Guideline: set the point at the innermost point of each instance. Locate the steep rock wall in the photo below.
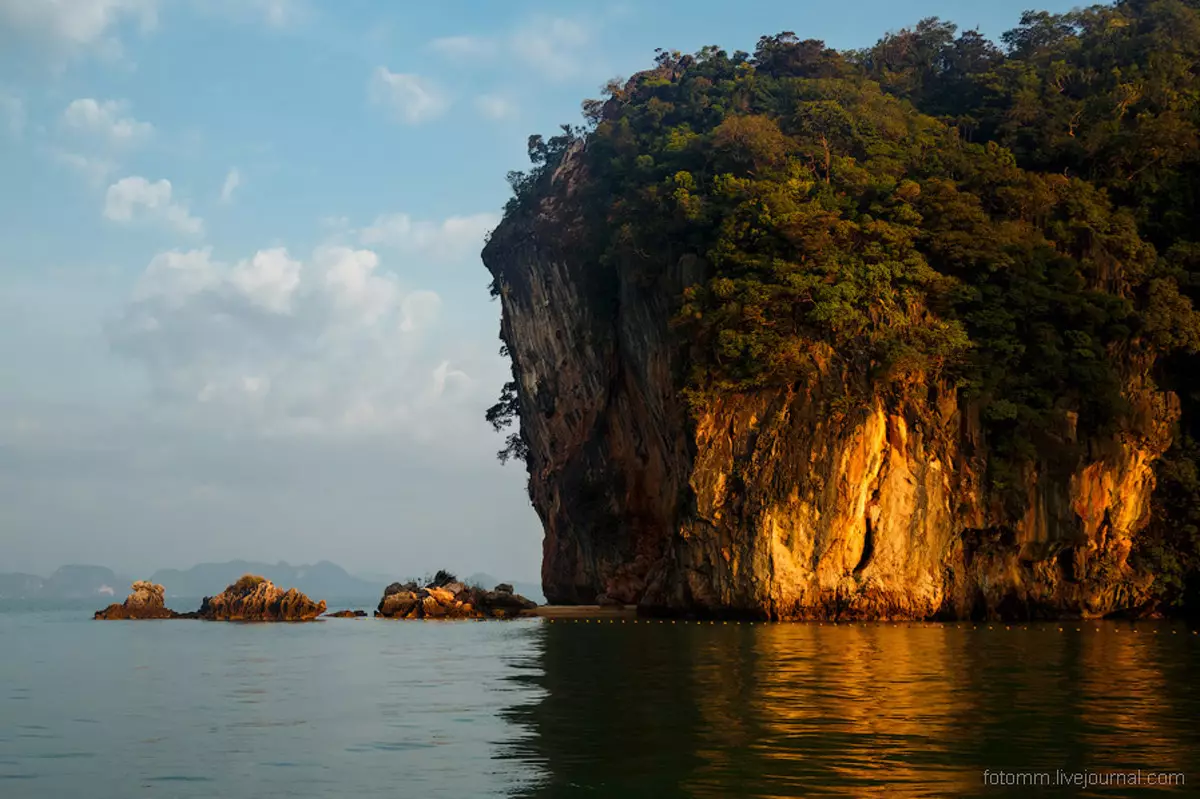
(826, 499)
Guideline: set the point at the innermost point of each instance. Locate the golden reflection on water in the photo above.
(863, 699)
(1132, 699)
(854, 710)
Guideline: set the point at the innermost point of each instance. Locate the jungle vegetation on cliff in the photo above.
(1020, 220)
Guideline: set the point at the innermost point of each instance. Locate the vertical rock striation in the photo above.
(829, 498)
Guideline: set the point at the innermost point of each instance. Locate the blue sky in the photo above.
(242, 312)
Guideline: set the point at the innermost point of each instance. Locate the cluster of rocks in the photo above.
(254, 598)
(446, 598)
(146, 602)
(251, 598)
(257, 599)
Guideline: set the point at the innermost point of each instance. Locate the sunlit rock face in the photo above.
(254, 598)
(450, 599)
(146, 601)
(825, 499)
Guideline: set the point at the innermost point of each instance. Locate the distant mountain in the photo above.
(320, 580)
(528, 590)
(16, 585)
(69, 582)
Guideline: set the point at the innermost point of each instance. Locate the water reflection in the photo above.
(703, 710)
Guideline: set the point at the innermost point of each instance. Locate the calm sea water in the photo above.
(365, 708)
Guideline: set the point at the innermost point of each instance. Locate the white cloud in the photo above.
(274, 13)
(411, 98)
(269, 279)
(331, 344)
(135, 198)
(494, 106)
(454, 239)
(279, 13)
(95, 170)
(232, 180)
(106, 119)
(12, 114)
(553, 46)
(465, 46)
(76, 24)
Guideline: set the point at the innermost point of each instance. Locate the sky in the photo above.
(242, 311)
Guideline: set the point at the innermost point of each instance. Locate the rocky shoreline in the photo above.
(254, 598)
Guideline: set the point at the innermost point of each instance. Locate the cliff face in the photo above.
(825, 499)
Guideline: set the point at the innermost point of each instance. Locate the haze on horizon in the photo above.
(242, 314)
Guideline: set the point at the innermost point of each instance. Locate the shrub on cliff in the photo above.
(247, 582)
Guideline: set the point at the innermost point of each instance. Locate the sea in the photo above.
(538, 708)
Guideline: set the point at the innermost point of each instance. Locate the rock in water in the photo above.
(449, 599)
(145, 602)
(255, 598)
(346, 614)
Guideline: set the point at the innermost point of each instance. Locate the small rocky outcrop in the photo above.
(445, 597)
(145, 602)
(254, 598)
(346, 614)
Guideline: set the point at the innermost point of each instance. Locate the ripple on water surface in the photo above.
(532, 708)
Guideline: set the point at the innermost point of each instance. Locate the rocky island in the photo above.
(251, 598)
(145, 602)
(785, 346)
(443, 597)
(254, 598)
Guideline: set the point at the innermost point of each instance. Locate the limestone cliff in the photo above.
(828, 498)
